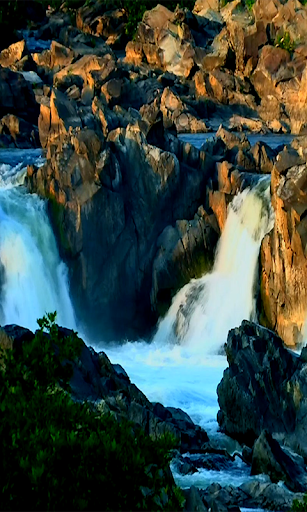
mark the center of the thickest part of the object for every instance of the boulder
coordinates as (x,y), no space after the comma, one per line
(269,458)
(263,388)
(13,54)
(176,114)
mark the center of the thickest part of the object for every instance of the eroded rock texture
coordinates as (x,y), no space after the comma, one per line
(264,387)
(283,257)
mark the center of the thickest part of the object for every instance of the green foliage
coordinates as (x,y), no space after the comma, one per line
(299,506)
(285,42)
(60,455)
(249,4)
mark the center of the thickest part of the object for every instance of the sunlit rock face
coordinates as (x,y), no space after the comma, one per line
(283,253)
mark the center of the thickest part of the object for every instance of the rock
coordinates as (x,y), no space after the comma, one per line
(201,7)
(263,388)
(225,498)
(86,180)
(251,495)
(266,11)
(22,134)
(269,458)
(284,290)
(110,24)
(185,251)
(163,39)
(14,53)
(232,140)
(264,157)
(270,496)
(240,123)
(13,336)
(85,69)
(55,120)
(60,56)
(176,113)
(193,502)
(218,55)
(17,97)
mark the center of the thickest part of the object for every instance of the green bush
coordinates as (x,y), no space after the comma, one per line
(285,42)
(299,506)
(60,455)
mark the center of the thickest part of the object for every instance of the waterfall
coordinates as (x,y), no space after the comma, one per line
(33,279)
(205,310)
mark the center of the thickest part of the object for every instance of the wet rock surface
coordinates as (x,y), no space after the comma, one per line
(263,388)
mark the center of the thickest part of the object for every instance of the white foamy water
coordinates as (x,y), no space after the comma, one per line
(33,280)
(204,311)
(181,366)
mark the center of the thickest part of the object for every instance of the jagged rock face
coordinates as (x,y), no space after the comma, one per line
(110,200)
(283,251)
(263,388)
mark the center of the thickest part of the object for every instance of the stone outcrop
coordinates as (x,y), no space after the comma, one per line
(127,190)
(263,388)
(283,259)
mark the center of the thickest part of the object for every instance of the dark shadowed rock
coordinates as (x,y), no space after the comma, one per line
(176,261)
(114,197)
(271,459)
(253,495)
(17,97)
(18,133)
(263,388)
(193,502)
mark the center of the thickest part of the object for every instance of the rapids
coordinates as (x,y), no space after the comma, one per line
(33,280)
(183,364)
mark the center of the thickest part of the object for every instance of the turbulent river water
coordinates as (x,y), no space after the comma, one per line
(33,278)
(182,365)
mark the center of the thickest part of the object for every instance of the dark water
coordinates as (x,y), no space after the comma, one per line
(272,139)
(16,156)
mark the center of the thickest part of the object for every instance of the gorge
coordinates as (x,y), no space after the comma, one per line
(168,255)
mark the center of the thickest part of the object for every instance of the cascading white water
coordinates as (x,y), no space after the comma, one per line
(181,366)
(205,310)
(33,280)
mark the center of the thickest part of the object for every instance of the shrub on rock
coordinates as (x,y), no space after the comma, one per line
(57,454)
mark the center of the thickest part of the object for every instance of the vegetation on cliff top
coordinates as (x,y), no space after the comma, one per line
(60,455)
